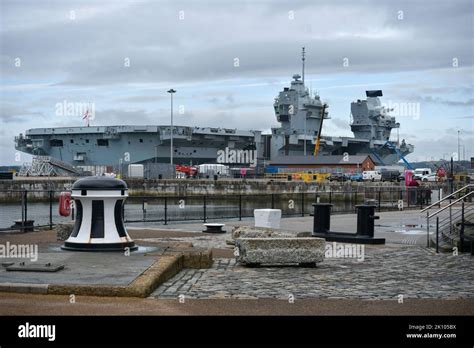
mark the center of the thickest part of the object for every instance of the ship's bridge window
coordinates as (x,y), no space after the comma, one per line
(56,142)
(103,142)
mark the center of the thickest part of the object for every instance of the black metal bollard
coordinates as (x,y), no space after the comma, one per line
(321,217)
(365,220)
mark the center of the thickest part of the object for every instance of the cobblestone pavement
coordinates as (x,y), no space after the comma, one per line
(385,273)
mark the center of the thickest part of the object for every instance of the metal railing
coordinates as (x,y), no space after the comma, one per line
(42,205)
(447,223)
(438,203)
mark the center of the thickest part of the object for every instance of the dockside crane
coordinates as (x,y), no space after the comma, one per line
(391,145)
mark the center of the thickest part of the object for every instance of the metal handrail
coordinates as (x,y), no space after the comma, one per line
(454,217)
(450,204)
(447,222)
(444,198)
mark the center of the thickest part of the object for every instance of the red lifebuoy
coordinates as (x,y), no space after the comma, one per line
(65,203)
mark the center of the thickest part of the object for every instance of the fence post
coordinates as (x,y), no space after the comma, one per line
(26,207)
(50,210)
(422,197)
(204,205)
(330,196)
(379,199)
(302,204)
(461,232)
(240,207)
(437,234)
(22,207)
(408,196)
(166,210)
(427,228)
(273,201)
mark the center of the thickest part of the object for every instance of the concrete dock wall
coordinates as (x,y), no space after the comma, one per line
(10,190)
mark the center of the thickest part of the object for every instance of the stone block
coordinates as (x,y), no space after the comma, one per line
(259,232)
(263,232)
(280,251)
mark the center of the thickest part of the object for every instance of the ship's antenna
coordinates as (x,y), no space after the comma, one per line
(302,60)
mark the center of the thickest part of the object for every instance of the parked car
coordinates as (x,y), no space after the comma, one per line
(337,177)
(390,175)
(356,177)
(420,172)
(429,177)
(371,175)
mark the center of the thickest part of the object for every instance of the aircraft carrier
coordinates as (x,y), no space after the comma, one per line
(299,112)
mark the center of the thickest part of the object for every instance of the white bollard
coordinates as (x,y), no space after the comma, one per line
(269,218)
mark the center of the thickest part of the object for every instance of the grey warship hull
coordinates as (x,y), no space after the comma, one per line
(113,145)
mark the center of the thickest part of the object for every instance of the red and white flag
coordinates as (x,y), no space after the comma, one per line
(86,117)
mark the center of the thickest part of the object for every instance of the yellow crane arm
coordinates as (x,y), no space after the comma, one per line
(318,139)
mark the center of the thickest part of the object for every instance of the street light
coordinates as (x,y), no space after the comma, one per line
(171,92)
(459,148)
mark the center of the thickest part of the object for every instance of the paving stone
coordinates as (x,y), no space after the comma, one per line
(385,273)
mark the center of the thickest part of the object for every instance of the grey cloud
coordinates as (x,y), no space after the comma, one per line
(79,59)
(441,145)
(141,99)
(471,117)
(340,123)
(448,102)
(463,131)
(91,50)
(14,113)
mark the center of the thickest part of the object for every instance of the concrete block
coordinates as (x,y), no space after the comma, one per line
(278,251)
(267,218)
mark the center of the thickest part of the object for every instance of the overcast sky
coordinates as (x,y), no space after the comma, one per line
(123,56)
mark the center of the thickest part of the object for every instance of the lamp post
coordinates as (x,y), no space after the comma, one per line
(171,92)
(459,148)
